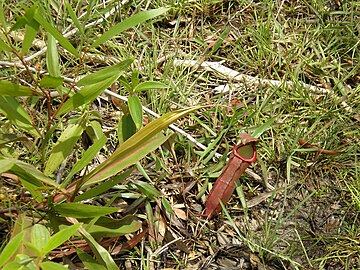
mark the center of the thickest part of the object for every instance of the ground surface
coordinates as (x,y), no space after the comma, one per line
(299,77)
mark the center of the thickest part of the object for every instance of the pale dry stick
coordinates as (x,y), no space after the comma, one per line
(238,77)
(163,248)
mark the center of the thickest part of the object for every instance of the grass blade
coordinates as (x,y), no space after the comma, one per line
(128,23)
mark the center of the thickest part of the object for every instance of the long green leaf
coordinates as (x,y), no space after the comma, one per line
(113,165)
(30,174)
(51,82)
(261,129)
(136,147)
(30,34)
(94,85)
(60,237)
(6,164)
(128,23)
(74,18)
(52,266)
(149,85)
(78,210)
(52,57)
(86,95)
(135,109)
(100,252)
(17,115)
(63,147)
(55,33)
(103,187)
(115,227)
(148,190)
(105,73)
(11,248)
(12,89)
(126,128)
(86,158)
(40,236)
(8,138)
(88,261)
(4,46)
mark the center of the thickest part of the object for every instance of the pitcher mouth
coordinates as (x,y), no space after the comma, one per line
(249,160)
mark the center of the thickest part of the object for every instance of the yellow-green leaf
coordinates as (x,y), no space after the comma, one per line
(13,89)
(138,146)
(136,112)
(17,115)
(63,147)
(79,210)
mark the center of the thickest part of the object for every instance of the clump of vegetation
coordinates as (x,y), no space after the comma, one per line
(91,177)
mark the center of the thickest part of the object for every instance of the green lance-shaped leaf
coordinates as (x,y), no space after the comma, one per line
(138,146)
(126,127)
(103,187)
(6,164)
(149,85)
(147,189)
(51,82)
(94,85)
(74,18)
(135,109)
(40,236)
(30,174)
(105,73)
(100,252)
(4,46)
(63,147)
(11,248)
(107,227)
(47,265)
(12,89)
(52,57)
(55,33)
(88,261)
(123,160)
(134,20)
(30,34)
(78,210)
(86,158)
(9,138)
(59,238)
(261,129)
(17,115)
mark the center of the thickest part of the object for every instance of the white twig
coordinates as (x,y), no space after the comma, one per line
(236,76)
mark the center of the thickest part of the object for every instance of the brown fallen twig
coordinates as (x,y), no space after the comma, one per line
(305,144)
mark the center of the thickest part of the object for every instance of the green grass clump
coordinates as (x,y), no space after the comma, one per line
(299,79)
